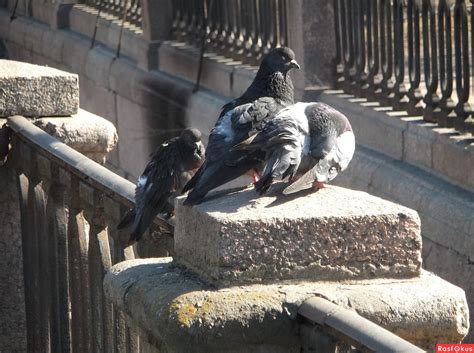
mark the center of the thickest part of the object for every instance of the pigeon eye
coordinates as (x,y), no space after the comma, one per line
(334,169)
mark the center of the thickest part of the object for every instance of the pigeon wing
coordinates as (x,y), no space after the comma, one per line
(157,183)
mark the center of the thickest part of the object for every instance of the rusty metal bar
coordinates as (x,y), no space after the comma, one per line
(346,325)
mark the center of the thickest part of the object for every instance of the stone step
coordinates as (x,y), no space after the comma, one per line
(332,234)
(185,315)
(33,90)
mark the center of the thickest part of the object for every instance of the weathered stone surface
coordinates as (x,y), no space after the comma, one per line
(333,234)
(12,304)
(182,314)
(85,132)
(33,90)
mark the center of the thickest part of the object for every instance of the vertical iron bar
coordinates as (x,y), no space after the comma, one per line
(414,106)
(463,109)
(386,55)
(445,64)
(339,33)
(399,95)
(430,57)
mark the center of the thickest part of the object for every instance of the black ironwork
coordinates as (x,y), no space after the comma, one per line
(117,8)
(241,29)
(415,55)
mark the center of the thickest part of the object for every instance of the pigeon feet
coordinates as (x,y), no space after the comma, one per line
(318,185)
(255,178)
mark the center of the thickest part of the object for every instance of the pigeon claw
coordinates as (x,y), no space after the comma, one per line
(318,185)
(255,177)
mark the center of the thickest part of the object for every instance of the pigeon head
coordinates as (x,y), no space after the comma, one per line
(280,60)
(191,148)
(191,136)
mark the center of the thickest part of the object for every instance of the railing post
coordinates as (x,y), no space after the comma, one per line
(99,260)
(312,37)
(157,19)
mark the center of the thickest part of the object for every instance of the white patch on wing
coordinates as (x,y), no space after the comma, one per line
(296,112)
(224,127)
(345,147)
(141,182)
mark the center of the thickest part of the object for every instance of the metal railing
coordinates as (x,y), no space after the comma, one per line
(329,328)
(70,207)
(240,29)
(116,8)
(415,55)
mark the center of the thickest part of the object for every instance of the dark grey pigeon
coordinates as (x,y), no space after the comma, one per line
(312,139)
(270,91)
(171,167)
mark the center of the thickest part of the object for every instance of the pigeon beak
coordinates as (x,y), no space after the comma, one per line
(294,64)
(305,182)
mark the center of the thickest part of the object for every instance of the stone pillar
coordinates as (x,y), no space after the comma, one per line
(157,19)
(312,37)
(244,265)
(36,91)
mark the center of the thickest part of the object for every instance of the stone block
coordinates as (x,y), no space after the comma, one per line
(17,31)
(453,157)
(98,64)
(4,24)
(81,21)
(453,266)
(33,90)
(52,45)
(33,37)
(418,141)
(332,234)
(120,69)
(134,130)
(95,98)
(85,132)
(74,54)
(183,314)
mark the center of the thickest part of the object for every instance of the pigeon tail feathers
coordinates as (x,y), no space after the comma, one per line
(127,219)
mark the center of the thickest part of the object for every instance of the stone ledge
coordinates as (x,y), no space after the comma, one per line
(85,132)
(331,234)
(182,314)
(33,90)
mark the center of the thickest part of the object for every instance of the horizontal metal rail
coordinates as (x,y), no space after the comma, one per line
(347,326)
(88,171)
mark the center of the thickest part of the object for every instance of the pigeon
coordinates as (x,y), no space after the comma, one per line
(172,165)
(309,139)
(270,91)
